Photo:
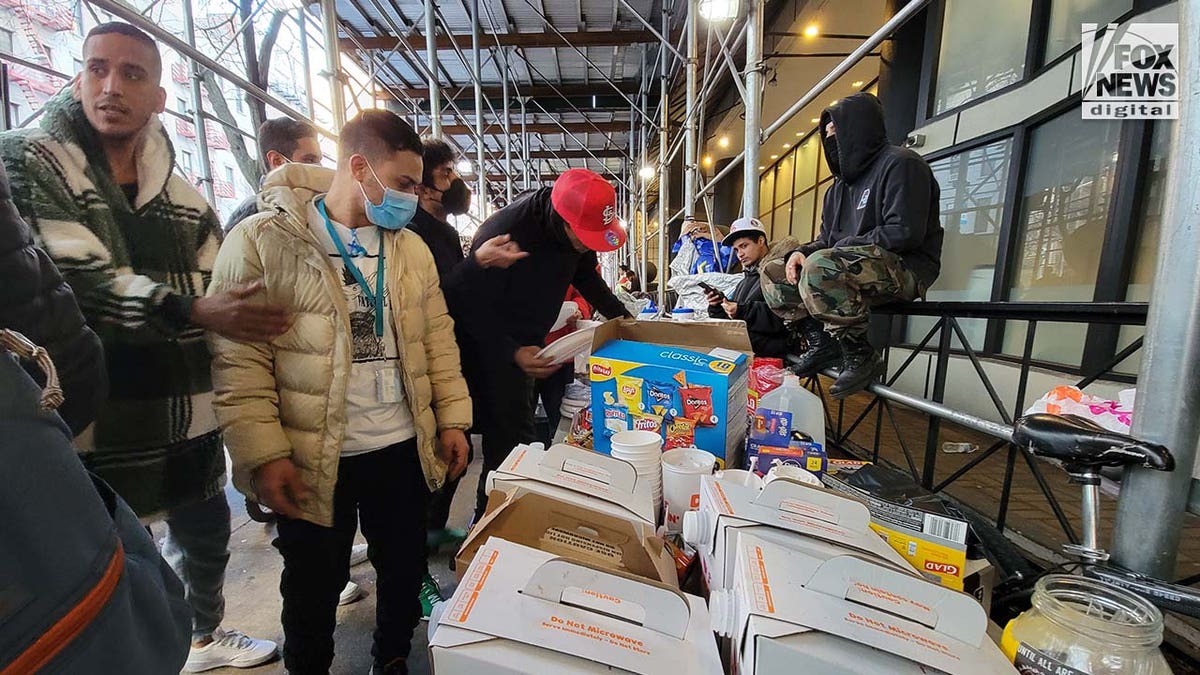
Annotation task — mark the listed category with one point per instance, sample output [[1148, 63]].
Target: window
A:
[[972, 185], [229, 174], [806, 163], [783, 179], [181, 104], [766, 193], [982, 50], [6, 41], [802, 217], [1145, 256], [1063, 214], [238, 103], [185, 161], [1067, 16]]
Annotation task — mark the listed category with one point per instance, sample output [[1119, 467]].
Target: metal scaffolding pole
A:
[[508, 179], [477, 75], [431, 60], [663, 182], [333, 64], [189, 28], [690, 162], [643, 184], [1167, 410], [525, 156], [754, 39], [302, 20]]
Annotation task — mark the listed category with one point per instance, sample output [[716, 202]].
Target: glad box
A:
[[846, 615], [521, 610], [686, 382], [789, 513]]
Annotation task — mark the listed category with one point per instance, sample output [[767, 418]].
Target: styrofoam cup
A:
[[681, 470], [637, 443], [792, 473], [741, 477]]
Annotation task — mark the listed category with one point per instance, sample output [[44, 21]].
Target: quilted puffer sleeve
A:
[[451, 401], [246, 399]]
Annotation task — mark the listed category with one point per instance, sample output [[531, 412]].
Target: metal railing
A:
[[948, 331]]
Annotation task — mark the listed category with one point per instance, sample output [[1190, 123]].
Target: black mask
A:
[[456, 199], [831, 154]]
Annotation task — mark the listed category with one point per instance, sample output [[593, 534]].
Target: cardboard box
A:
[[642, 372], [847, 614], [571, 530], [599, 482], [789, 513], [521, 610], [930, 537]]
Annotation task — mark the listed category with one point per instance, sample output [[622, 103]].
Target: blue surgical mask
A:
[[396, 210]]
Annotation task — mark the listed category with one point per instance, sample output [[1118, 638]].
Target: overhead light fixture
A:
[[799, 134], [774, 156], [707, 161], [812, 31], [761, 168], [464, 167], [723, 141], [718, 10], [646, 172], [834, 101], [786, 146], [857, 83], [816, 120]]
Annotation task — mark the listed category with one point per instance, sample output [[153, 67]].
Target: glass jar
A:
[[1083, 626]]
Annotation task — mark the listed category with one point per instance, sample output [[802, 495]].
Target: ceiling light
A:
[[707, 161], [464, 167], [834, 102], [786, 146], [646, 172], [723, 141], [718, 10], [761, 168], [799, 134], [857, 83], [812, 31], [816, 120], [774, 156]]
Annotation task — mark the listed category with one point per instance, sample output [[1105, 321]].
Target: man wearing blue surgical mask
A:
[[359, 409]]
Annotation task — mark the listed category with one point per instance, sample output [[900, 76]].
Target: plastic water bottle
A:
[[806, 408]]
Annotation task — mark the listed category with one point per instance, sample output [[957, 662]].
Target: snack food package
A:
[[766, 375], [698, 404], [629, 393], [681, 433], [661, 397], [646, 422]]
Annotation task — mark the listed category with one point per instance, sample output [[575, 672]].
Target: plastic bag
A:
[[1066, 400], [685, 257], [692, 296]]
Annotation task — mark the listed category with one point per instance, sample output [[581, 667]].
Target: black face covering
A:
[[830, 144], [456, 199]]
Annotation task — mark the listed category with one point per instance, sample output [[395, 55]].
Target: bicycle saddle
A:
[[1082, 445]]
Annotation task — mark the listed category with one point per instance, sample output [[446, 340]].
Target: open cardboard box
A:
[[714, 354], [786, 512], [571, 530], [847, 615], [521, 610], [599, 482]]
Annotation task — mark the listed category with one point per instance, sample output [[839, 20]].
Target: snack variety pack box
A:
[[685, 382], [771, 437]]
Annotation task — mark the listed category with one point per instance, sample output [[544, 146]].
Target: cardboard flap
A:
[[665, 609], [699, 335], [815, 503], [604, 469], [948, 612]]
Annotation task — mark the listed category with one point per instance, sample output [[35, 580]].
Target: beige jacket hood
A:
[[287, 398]]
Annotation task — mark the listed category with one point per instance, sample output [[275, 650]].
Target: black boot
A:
[[822, 351], [860, 365]]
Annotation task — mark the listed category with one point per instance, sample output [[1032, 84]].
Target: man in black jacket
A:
[[880, 241], [40, 305], [768, 334], [502, 316]]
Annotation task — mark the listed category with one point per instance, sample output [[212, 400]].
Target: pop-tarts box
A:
[[685, 381]]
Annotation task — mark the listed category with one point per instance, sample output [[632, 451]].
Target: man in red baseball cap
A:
[[502, 316]]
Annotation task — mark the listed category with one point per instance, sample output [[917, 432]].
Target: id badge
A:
[[387, 385]]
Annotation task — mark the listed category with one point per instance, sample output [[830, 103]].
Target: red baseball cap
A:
[[589, 205]]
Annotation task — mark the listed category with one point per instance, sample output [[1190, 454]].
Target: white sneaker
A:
[[358, 554], [229, 648], [350, 593]]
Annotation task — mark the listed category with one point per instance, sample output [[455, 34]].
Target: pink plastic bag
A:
[[1066, 400]]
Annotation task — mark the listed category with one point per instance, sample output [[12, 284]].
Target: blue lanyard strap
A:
[[377, 297]]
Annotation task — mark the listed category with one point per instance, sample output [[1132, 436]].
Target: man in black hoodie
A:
[[502, 316], [768, 334], [880, 241]]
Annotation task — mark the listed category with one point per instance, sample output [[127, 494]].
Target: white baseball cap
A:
[[742, 227]]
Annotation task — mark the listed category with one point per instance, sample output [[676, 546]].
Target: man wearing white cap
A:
[[768, 334]]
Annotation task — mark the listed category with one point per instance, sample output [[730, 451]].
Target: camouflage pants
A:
[[838, 287]]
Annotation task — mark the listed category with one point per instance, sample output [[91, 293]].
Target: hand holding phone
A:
[[712, 293]]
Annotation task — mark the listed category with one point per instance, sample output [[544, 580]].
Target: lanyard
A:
[[377, 296]]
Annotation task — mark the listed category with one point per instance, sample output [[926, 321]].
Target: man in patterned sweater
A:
[[136, 243]]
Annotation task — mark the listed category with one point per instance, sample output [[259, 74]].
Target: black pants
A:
[[504, 417], [387, 489], [552, 390], [438, 511]]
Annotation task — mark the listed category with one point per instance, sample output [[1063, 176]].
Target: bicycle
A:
[[1084, 448]]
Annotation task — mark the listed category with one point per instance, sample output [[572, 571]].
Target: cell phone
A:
[[711, 289]]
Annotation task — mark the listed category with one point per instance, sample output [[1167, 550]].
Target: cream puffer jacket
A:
[[287, 398]]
